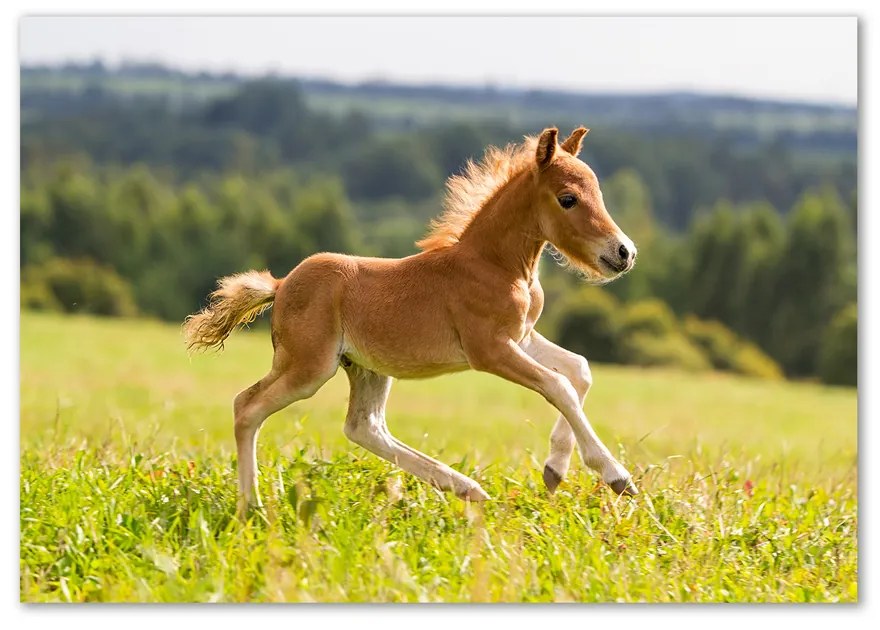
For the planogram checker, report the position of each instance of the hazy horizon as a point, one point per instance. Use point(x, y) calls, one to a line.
point(812, 60)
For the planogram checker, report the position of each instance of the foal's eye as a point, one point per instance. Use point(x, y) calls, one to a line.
point(567, 201)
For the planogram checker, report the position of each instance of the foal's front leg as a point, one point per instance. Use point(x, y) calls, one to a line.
point(365, 425)
point(576, 369)
point(508, 360)
point(562, 439)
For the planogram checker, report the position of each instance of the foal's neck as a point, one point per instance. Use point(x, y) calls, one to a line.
point(505, 231)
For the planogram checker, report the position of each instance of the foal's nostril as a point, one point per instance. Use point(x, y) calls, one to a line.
point(623, 252)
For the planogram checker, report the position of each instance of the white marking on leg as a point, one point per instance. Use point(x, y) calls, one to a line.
point(365, 425)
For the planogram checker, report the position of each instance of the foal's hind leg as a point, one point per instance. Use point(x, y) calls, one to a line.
point(291, 379)
point(365, 425)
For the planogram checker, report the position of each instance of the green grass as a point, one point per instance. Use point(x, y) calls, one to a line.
point(128, 485)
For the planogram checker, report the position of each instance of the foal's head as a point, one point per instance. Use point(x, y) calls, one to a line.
point(571, 210)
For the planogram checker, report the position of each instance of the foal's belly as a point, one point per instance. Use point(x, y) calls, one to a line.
point(401, 367)
point(402, 344)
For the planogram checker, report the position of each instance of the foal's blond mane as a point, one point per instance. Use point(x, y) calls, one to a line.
point(466, 193)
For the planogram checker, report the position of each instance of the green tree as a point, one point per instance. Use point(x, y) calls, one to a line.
point(756, 292)
point(838, 358)
point(716, 247)
point(35, 222)
point(324, 215)
point(77, 228)
point(813, 281)
point(392, 167)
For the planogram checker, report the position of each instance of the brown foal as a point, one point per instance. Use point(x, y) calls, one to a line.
point(468, 300)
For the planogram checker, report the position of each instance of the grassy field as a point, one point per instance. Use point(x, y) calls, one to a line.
point(128, 485)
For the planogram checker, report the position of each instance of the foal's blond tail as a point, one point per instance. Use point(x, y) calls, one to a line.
point(237, 300)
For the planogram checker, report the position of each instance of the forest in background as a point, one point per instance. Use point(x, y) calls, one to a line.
point(140, 185)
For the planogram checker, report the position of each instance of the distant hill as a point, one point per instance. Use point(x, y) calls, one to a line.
point(812, 127)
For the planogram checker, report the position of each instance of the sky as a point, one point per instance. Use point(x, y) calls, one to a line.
point(796, 58)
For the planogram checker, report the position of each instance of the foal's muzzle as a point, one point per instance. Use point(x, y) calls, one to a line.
point(620, 255)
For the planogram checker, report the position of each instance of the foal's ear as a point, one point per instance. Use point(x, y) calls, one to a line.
point(546, 147)
point(573, 143)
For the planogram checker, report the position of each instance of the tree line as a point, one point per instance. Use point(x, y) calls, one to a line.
point(268, 124)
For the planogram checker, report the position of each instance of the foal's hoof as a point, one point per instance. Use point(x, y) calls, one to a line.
point(243, 509)
point(624, 486)
point(475, 493)
point(245, 505)
point(552, 479)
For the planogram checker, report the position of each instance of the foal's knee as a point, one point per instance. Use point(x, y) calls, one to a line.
point(361, 433)
point(243, 418)
point(581, 377)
